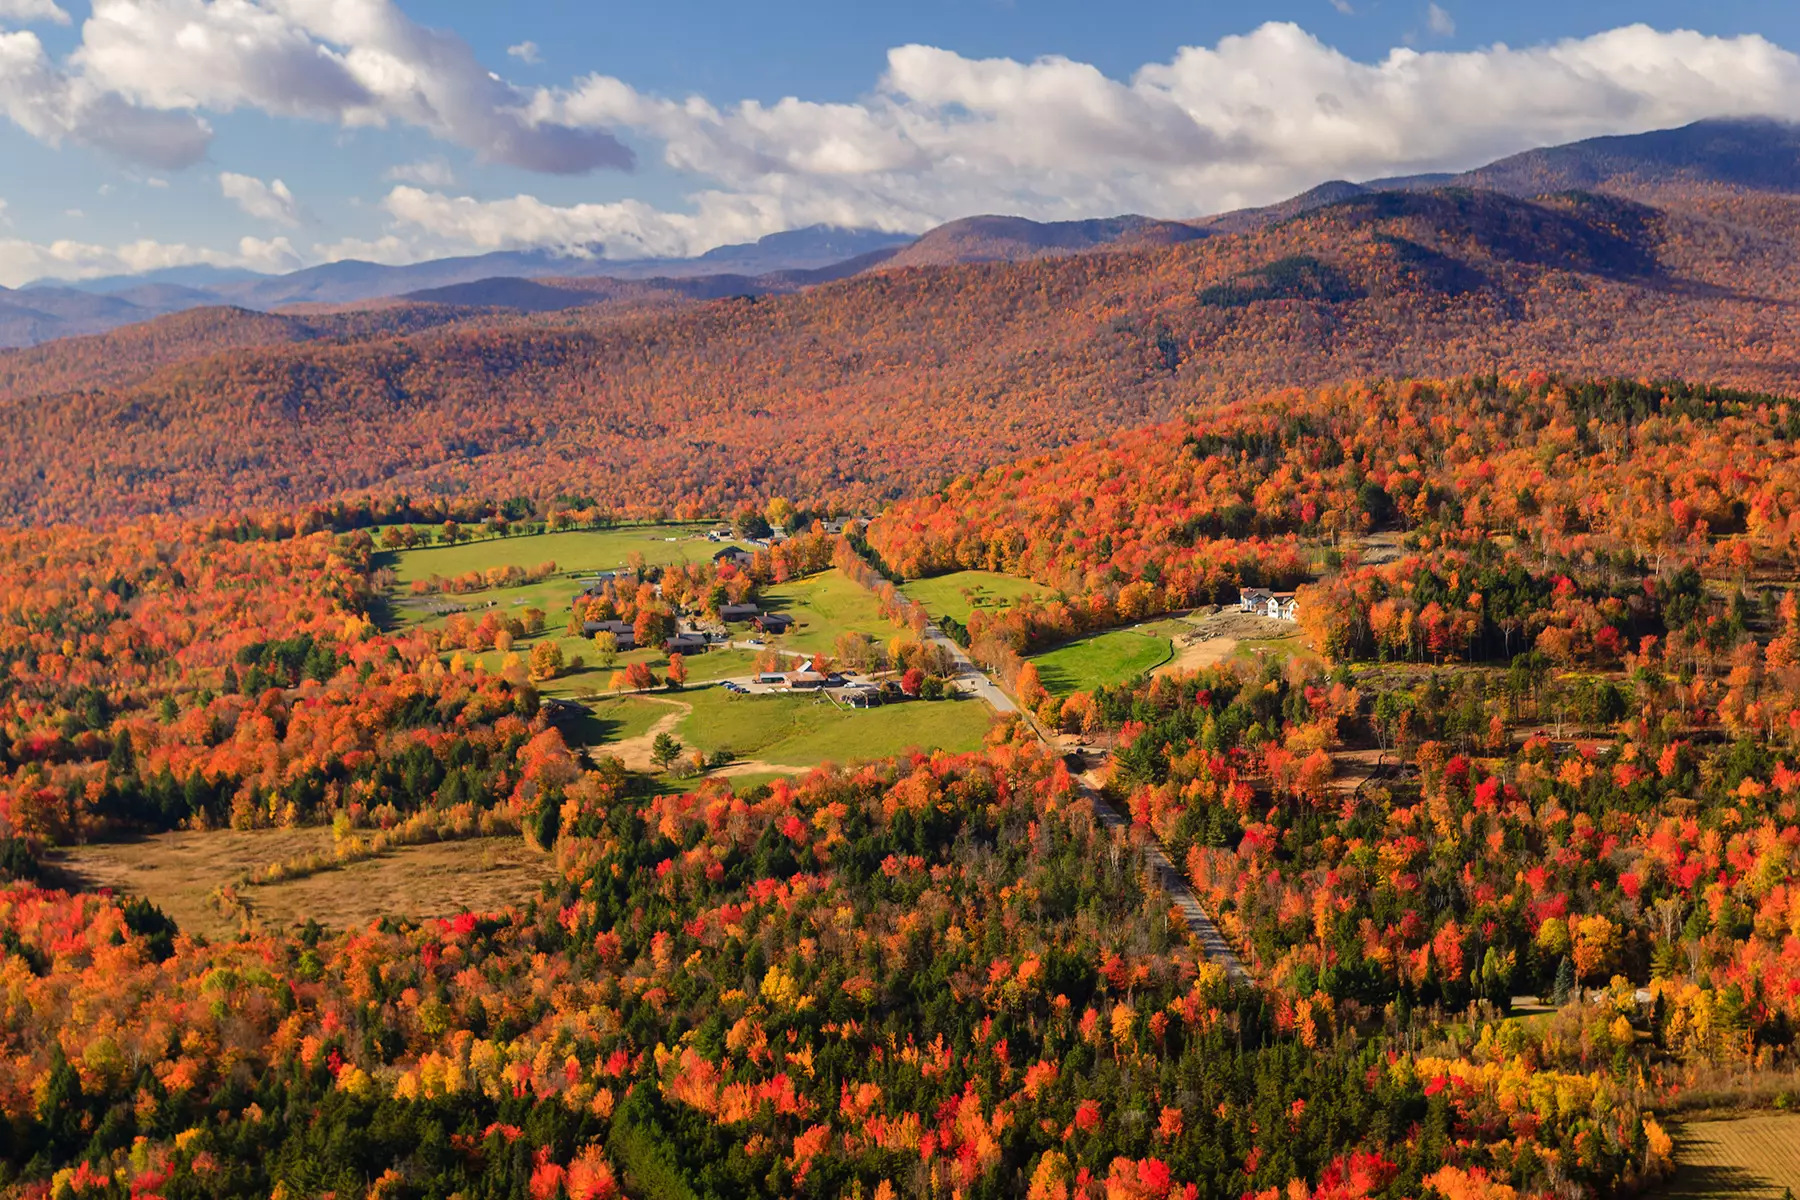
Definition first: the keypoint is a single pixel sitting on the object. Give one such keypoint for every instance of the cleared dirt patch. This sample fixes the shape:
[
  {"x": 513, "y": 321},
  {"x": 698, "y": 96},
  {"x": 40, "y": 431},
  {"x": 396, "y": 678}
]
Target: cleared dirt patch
[
  {"x": 1753, "y": 1158},
  {"x": 179, "y": 871},
  {"x": 1214, "y": 636}
]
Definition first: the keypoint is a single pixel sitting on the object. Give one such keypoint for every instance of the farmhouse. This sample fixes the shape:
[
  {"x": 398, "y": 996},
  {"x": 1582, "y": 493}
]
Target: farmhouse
[
  {"x": 685, "y": 643},
  {"x": 735, "y": 555},
  {"x": 1254, "y": 600},
  {"x": 774, "y": 623},
  {"x": 622, "y": 631},
  {"x": 738, "y": 612},
  {"x": 1284, "y": 606}
]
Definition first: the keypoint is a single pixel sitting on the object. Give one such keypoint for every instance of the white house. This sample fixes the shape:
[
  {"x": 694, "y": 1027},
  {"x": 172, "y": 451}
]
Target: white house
[{"x": 1254, "y": 600}]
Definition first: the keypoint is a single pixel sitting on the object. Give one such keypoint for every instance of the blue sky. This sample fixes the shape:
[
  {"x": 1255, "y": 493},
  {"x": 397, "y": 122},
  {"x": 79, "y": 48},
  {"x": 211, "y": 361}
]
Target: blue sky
[{"x": 277, "y": 133}]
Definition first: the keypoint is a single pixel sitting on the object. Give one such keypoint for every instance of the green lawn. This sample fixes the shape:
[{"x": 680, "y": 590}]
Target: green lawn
[
  {"x": 962, "y": 592},
  {"x": 573, "y": 550},
  {"x": 617, "y": 718},
  {"x": 823, "y": 606},
  {"x": 801, "y": 730},
  {"x": 1117, "y": 656}
]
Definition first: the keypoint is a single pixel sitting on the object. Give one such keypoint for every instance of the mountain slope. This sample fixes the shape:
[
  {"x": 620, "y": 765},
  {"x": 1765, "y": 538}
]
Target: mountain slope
[
  {"x": 993, "y": 238},
  {"x": 888, "y": 382}
]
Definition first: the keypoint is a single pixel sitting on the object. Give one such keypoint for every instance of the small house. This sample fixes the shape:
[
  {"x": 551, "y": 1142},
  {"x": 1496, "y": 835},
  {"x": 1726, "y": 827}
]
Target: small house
[
  {"x": 685, "y": 643},
  {"x": 1283, "y": 606},
  {"x": 737, "y": 556},
  {"x": 738, "y": 612},
  {"x": 1255, "y": 600},
  {"x": 624, "y": 636},
  {"x": 774, "y": 623}
]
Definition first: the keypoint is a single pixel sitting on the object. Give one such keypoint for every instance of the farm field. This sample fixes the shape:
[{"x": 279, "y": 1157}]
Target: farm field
[
  {"x": 1755, "y": 1158},
  {"x": 573, "y": 551},
  {"x": 570, "y": 550},
  {"x": 179, "y": 871},
  {"x": 1102, "y": 659},
  {"x": 803, "y": 730},
  {"x": 824, "y": 606},
  {"x": 960, "y": 593}
]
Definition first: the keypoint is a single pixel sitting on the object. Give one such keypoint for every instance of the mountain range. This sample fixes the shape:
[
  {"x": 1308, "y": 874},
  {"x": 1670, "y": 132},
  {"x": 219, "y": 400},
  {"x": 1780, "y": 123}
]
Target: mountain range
[
  {"x": 1762, "y": 155},
  {"x": 1670, "y": 255}
]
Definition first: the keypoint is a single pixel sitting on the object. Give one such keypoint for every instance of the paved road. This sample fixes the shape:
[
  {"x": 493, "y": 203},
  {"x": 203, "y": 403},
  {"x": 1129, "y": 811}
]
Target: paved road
[
  {"x": 1167, "y": 876},
  {"x": 971, "y": 676},
  {"x": 1175, "y": 884}
]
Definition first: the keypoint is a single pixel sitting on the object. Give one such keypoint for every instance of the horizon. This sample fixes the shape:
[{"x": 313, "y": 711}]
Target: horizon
[
  {"x": 275, "y": 135},
  {"x": 596, "y": 252}
]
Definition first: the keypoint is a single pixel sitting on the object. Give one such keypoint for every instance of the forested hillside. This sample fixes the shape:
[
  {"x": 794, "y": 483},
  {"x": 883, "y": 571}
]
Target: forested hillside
[{"x": 884, "y": 384}]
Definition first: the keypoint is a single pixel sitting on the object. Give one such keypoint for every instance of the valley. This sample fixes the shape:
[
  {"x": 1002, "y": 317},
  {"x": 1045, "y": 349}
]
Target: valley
[{"x": 1296, "y": 704}]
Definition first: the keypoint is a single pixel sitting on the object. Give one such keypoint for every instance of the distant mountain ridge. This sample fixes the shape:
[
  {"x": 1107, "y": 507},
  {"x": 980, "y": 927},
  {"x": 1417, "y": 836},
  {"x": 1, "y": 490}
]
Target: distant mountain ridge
[{"x": 1753, "y": 154}]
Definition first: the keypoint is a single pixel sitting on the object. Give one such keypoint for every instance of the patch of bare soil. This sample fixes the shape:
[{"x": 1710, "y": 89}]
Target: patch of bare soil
[{"x": 1215, "y": 635}]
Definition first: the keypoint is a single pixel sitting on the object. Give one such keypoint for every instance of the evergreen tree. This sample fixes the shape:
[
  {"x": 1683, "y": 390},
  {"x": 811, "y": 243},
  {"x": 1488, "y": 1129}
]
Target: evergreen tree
[{"x": 1564, "y": 987}]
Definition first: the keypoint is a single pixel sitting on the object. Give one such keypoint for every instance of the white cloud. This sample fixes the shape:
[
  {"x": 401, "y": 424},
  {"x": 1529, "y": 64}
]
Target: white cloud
[
  {"x": 145, "y": 68},
  {"x": 1345, "y": 7},
  {"x": 1248, "y": 120},
  {"x": 22, "y": 261},
  {"x": 526, "y": 52},
  {"x": 33, "y": 10},
  {"x": 54, "y": 106},
  {"x": 430, "y": 172},
  {"x": 265, "y": 201},
  {"x": 1252, "y": 119},
  {"x": 1441, "y": 23}
]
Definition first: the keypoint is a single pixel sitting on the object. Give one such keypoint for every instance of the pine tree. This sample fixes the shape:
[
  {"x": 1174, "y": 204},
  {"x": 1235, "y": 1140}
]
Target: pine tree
[{"x": 1564, "y": 987}]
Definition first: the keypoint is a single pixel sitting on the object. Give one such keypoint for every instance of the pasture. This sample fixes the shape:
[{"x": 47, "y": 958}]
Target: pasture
[
  {"x": 1102, "y": 659},
  {"x": 824, "y": 606},
  {"x": 803, "y": 730},
  {"x": 961, "y": 593}
]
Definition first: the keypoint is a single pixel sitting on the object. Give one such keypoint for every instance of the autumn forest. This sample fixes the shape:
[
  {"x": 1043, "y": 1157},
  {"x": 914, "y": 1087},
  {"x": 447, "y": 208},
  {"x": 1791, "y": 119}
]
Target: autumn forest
[{"x": 786, "y": 640}]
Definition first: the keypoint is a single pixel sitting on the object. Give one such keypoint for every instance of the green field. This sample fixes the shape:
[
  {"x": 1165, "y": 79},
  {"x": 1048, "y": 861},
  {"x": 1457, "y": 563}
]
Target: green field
[
  {"x": 824, "y": 606},
  {"x": 574, "y": 550},
  {"x": 960, "y": 593},
  {"x": 802, "y": 730},
  {"x": 1117, "y": 656}
]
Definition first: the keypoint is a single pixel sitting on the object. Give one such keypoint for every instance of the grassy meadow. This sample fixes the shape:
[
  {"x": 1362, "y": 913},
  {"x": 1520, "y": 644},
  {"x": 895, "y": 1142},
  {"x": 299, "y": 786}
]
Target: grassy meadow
[
  {"x": 1101, "y": 659},
  {"x": 961, "y": 593}
]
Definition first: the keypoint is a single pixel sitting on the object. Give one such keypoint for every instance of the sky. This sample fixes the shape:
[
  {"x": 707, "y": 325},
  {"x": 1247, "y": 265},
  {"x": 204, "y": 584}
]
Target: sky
[{"x": 275, "y": 134}]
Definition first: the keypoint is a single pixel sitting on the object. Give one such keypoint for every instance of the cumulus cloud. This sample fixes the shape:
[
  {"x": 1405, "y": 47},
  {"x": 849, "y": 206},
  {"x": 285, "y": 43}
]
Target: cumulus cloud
[
  {"x": 1250, "y": 120},
  {"x": 33, "y": 10},
  {"x": 23, "y": 261},
  {"x": 55, "y": 107},
  {"x": 265, "y": 201},
  {"x": 350, "y": 62}
]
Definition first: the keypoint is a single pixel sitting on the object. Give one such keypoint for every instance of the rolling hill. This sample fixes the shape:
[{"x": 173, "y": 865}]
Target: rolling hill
[{"x": 889, "y": 382}]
